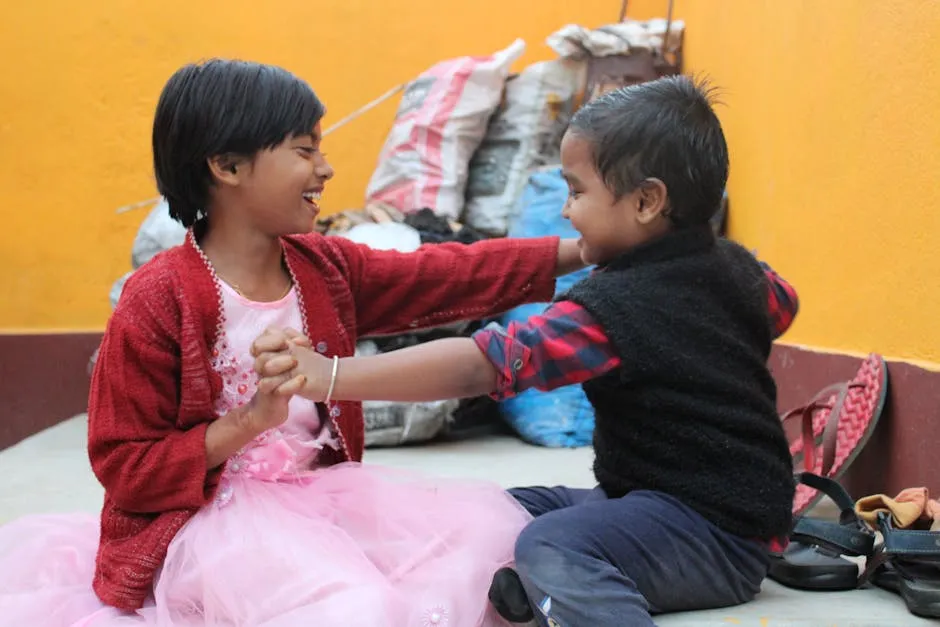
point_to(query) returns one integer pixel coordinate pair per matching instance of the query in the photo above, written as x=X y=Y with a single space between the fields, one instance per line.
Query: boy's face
x=608 y=226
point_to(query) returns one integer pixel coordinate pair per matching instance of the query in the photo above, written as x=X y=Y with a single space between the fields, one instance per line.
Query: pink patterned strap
x=830 y=433
x=806 y=414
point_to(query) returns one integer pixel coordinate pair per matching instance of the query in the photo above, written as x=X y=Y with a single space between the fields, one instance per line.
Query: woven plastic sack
x=561 y=417
x=157 y=233
x=440 y=123
x=524 y=134
x=389 y=423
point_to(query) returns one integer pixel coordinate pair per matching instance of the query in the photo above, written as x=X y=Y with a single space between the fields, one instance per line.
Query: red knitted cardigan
x=153 y=388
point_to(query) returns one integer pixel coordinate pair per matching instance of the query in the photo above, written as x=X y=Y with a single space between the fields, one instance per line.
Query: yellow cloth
x=910 y=509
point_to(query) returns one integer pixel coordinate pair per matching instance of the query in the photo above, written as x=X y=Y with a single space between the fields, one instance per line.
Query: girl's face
x=281 y=187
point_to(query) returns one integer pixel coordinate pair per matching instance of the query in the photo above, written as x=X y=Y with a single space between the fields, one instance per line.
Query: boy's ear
x=225 y=169
x=652 y=199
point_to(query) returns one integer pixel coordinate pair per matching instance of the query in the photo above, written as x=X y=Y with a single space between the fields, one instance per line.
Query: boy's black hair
x=222 y=107
x=664 y=129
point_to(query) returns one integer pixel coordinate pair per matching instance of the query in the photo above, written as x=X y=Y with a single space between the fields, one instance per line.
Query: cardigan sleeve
x=145 y=463
x=442 y=283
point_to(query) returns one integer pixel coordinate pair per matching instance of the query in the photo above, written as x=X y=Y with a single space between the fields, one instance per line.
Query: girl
x=227 y=500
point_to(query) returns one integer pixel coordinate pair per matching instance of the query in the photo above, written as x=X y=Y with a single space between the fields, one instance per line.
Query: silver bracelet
x=329 y=393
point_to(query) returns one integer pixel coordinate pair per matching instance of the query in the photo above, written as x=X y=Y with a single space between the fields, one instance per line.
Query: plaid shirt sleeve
x=562 y=346
x=565 y=345
x=783 y=303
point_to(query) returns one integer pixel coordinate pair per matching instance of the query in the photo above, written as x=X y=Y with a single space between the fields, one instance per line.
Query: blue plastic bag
x=562 y=417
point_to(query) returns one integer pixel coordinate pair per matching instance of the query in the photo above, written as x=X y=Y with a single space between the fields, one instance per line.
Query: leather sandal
x=908 y=563
x=815 y=557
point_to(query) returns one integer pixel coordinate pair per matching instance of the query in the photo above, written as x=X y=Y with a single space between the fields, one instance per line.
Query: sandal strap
x=908 y=543
x=830 y=435
x=806 y=413
x=831 y=488
x=844 y=539
x=831 y=432
x=899 y=547
x=850 y=536
x=872 y=565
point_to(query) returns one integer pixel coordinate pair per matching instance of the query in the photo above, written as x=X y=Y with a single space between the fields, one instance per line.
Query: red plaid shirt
x=565 y=345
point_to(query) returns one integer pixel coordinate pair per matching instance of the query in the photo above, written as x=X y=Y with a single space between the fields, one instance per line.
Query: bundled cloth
x=627 y=37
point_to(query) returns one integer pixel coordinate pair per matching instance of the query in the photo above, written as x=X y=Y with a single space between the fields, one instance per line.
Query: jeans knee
x=540 y=551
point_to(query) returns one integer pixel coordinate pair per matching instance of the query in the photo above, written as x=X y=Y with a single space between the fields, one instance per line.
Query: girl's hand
x=275 y=340
x=269 y=406
x=286 y=353
x=277 y=383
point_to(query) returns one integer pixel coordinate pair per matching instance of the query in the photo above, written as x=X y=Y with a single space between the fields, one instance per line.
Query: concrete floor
x=49 y=473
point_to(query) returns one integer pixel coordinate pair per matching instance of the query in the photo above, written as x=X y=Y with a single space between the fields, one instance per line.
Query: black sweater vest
x=691 y=411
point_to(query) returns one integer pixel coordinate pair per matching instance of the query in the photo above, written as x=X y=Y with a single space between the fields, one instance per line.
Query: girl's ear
x=225 y=169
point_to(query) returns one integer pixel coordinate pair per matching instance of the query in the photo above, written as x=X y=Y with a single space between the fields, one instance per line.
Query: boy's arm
x=443 y=283
x=782 y=301
x=563 y=346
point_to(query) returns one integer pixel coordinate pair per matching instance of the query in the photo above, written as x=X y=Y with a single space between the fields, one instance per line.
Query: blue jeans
x=590 y=560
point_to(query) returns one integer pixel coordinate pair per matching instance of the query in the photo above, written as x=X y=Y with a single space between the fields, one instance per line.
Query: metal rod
x=346 y=120
x=668 y=25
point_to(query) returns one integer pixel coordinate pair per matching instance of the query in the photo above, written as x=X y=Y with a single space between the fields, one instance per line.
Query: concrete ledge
x=43 y=381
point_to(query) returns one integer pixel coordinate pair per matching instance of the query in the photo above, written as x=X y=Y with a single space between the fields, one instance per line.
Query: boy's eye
x=309 y=150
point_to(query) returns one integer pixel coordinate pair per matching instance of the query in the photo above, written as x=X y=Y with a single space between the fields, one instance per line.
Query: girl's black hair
x=664 y=129
x=222 y=107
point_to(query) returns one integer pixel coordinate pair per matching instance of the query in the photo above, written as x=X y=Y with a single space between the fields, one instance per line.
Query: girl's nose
x=324 y=169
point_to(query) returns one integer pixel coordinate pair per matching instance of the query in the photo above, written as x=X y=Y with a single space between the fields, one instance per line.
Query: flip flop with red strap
x=839 y=420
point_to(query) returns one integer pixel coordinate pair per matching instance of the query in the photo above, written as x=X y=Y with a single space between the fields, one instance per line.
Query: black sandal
x=509 y=598
x=908 y=563
x=814 y=558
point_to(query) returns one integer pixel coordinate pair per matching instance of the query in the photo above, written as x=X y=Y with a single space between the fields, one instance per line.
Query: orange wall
x=81 y=79
x=830 y=113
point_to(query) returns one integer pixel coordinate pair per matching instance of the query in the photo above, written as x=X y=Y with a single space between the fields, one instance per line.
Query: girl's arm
x=443 y=283
x=144 y=461
x=568 y=258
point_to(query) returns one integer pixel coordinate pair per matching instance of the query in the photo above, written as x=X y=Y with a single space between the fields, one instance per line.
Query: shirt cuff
x=508 y=356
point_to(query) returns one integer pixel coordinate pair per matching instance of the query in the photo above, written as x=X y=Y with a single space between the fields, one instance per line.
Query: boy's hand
x=316 y=370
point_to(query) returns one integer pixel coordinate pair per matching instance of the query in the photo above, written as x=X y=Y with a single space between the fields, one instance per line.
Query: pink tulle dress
x=284 y=543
